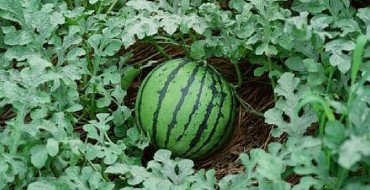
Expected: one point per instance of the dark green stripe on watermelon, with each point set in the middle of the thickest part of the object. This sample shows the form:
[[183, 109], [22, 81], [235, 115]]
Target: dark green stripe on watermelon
[[162, 94], [227, 131], [219, 116], [203, 125], [195, 106], [184, 92]]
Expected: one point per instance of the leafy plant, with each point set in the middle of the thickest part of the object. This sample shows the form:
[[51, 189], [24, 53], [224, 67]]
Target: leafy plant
[[63, 82]]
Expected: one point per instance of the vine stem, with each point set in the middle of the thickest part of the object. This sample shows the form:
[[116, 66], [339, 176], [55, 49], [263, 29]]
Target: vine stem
[[187, 51], [312, 98], [273, 83], [239, 75], [159, 49], [357, 61], [112, 6], [341, 176], [247, 107]]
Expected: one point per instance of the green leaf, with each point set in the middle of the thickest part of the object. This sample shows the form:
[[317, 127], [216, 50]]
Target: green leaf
[[52, 147], [19, 53], [347, 26], [117, 169], [291, 93], [266, 49], [192, 21], [201, 181], [93, 1], [91, 131], [16, 37], [338, 58], [170, 23], [313, 6], [359, 115], [269, 166], [38, 64], [307, 183], [143, 5], [41, 186], [162, 155], [295, 63], [353, 150], [364, 15], [75, 53], [297, 27], [335, 135], [197, 50], [39, 155]]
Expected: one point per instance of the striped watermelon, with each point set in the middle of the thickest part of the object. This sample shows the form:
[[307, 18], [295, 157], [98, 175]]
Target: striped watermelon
[[186, 107]]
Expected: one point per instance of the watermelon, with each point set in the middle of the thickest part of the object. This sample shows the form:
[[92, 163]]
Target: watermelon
[[186, 107]]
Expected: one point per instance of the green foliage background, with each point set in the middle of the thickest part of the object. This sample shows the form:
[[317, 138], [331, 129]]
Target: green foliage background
[[59, 71]]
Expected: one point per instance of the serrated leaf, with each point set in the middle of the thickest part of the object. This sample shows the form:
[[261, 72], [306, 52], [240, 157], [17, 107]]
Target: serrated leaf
[[143, 5], [75, 53], [38, 64], [307, 183], [266, 49], [338, 58], [364, 15], [162, 155], [288, 87], [170, 23], [91, 131], [112, 47], [16, 37], [269, 166], [353, 150], [347, 26]]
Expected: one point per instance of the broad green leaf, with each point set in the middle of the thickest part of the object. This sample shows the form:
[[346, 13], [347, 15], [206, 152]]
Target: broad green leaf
[[197, 50], [39, 155], [52, 147], [41, 186], [295, 63]]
